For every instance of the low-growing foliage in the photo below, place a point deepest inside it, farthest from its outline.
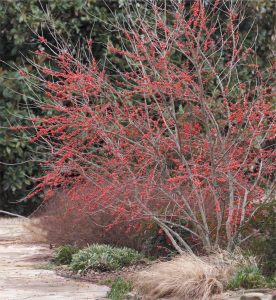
(104, 258)
(271, 282)
(119, 287)
(247, 277)
(263, 244)
(63, 254)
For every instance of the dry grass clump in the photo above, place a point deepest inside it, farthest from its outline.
(189, 276)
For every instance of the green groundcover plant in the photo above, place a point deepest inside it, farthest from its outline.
(119, 288)
(104, 258)
(63, 254)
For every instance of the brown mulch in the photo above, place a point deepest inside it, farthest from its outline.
(102, 277)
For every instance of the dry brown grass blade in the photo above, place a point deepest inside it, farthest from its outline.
(188, 276)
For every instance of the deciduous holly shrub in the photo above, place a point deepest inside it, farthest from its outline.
(178, 137)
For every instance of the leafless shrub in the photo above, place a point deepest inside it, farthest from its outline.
(59, 221)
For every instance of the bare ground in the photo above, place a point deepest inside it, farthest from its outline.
(21, 273)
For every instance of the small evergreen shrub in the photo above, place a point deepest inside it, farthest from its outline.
(119, 289)
(271, 282)
(103, 258)
(264, 244)
(63, 254)
(247, 277)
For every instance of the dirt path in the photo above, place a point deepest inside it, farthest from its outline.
(21, 276)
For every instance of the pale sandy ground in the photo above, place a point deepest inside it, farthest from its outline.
(21, 276)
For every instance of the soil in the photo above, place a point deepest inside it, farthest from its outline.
(126, 273)
(24, 273)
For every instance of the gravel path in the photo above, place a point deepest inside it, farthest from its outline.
(21, 276)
